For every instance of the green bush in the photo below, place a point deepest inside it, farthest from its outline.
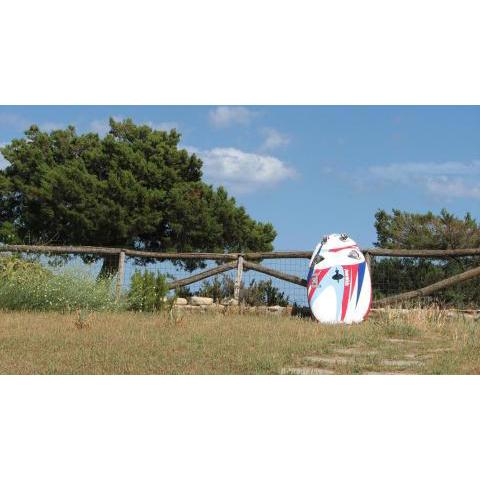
(147, 292)
(256, 294)
(28, 285)
(219, 288)
(8, 233)
(263, 293)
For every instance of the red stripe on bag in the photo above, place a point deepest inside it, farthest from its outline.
(320, 274)
(354, 272)
(347, 285)
(341, 248)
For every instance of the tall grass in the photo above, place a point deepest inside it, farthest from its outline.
(211, 343)
(28, 285)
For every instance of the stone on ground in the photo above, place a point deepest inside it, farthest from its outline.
(354, 351)
(401, 340)
(230, 302)
(306, 371)
(329, 360)
(276, 309)
(400, 363)
(199, 301)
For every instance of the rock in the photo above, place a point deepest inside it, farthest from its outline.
(354, 351)
(199, 301)
(381, 373)
(401, 340)
(328, 360)
(401, 363)
(276, 309)
(181, 301)
(230, 302)
(306, 371)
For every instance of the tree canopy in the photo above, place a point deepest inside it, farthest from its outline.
(133, 188)
(426, 231)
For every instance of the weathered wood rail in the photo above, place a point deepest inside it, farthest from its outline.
(434, 287)
(376, 252)
(243, 261)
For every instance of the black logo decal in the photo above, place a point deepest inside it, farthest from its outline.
(337, 276)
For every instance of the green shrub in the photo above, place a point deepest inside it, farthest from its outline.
(28, 285)
(257, 293)
(219, 288)
(8, 233)
(14, 267)
(263, 293)
(147, 292)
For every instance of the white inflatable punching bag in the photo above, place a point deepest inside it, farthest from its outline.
(339, 288)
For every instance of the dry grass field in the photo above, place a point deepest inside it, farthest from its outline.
(421, 342)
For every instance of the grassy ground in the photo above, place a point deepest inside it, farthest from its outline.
(128, 343)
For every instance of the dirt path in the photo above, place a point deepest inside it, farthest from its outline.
(391, 356)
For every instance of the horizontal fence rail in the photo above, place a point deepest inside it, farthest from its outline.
(250, 261)
(200, 276)
(448, 282)
(275, 273)
(379, 252)
(387, 252)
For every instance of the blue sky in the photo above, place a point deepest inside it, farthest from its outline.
(310, 170)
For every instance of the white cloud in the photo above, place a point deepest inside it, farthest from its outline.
(405, 172)
(442, 179)
(49, 126)
(241, 171)
(453, 188)
(224, 116)
(273, 139)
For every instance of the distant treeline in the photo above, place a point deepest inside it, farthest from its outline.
(426, 231)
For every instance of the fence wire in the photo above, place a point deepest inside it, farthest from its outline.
(394, 275)
(250, 279)
(283, 291)
(390, 276)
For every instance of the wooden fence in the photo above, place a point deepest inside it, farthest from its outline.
(248, 261)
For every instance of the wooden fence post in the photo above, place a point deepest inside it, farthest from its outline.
(238, 279)
(120, 275)
(368, 259)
